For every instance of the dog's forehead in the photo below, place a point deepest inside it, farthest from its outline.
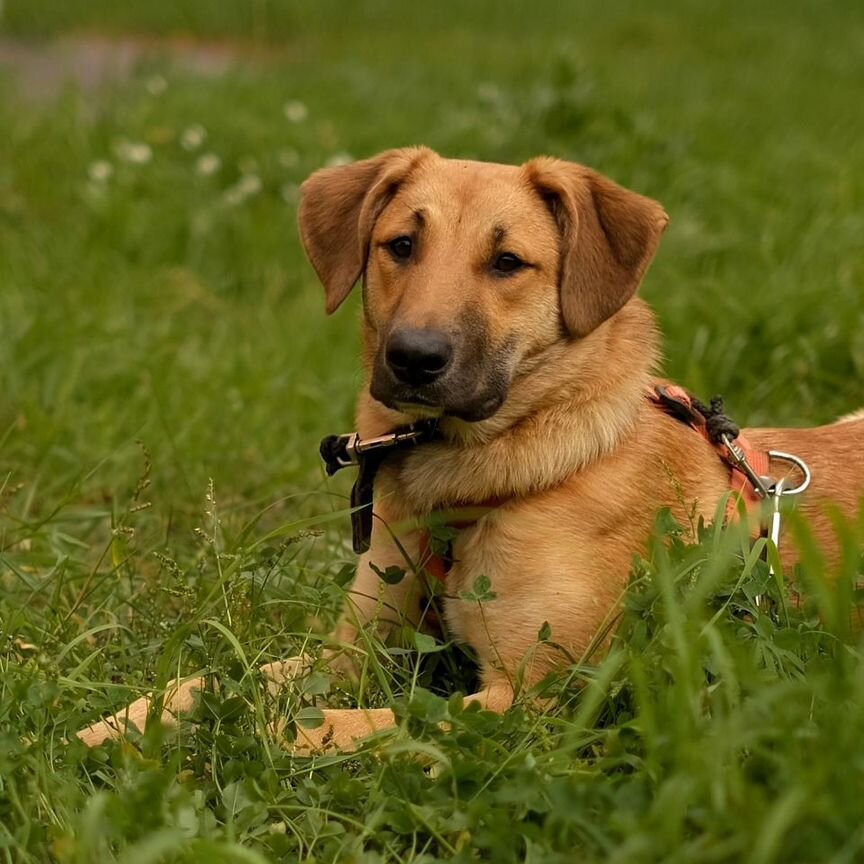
(468, 191)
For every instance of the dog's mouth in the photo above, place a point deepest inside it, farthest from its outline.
(441, 400)
(420, 410)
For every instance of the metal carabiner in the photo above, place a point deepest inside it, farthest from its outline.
(778, 491)
(739, 459)
(773, 532)
(800, 464)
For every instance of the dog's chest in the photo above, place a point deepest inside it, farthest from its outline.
(472, 555)
(468, 584)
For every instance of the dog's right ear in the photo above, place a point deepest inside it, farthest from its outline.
(338, 209)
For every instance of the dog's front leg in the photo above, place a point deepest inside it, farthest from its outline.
(375, 607)
(371, 600)
(344, 729)
(179, 698)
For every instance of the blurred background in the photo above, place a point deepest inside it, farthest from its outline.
(152, 283)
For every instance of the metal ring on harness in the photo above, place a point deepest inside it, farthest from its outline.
(778, 492)
(800, 464)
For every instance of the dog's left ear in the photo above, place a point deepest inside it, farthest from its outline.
(609, 236)
(338, 209)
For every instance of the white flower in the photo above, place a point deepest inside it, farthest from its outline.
(247, 186)
(100, 171)
(193, 137)
(488, 92)
(136, 152)
(250, 184)
(288, 158)
(295, 111)
(290, 193)
(341, 158)
(96, 193)
(156, 85)
(208, 164)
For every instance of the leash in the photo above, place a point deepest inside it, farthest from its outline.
(345, 451)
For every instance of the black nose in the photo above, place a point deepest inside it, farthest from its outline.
(418, 357)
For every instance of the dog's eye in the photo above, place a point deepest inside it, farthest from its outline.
(507, 262)
(401, 247)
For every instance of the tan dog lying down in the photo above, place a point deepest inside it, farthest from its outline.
(500, 299)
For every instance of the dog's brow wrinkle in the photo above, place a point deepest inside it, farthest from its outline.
(419, 216)
(499, 232)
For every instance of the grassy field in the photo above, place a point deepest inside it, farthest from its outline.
(166, 371)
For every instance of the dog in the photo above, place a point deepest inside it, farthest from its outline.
(500, 308)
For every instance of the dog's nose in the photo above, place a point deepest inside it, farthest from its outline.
(418, 357)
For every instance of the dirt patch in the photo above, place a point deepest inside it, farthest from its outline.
(41, 70)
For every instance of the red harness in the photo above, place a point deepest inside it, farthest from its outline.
(438, 566)
(678, 403)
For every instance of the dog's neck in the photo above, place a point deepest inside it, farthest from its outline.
(574, 405)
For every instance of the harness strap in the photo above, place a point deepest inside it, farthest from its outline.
(439, 565)
(709, 421)
(747, 465)
(719, 431)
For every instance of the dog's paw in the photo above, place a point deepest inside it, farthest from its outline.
(342, 731)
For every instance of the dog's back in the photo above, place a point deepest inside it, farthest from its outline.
(835, 456)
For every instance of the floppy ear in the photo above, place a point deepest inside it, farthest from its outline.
(608, 238)
(338, 208)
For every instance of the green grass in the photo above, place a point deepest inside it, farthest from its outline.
(160, 305)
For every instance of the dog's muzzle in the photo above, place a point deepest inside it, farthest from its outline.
(418, 358)
(426, 372)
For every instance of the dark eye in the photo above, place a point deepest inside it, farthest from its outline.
(401, 247)
(507, 262)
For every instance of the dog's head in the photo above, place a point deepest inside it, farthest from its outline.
(472, 268)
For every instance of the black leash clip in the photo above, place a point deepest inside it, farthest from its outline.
(340, 451)
(344, 451)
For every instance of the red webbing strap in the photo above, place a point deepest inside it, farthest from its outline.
(739, 483)
(438, 566)
(678, 403)
(435, 565)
